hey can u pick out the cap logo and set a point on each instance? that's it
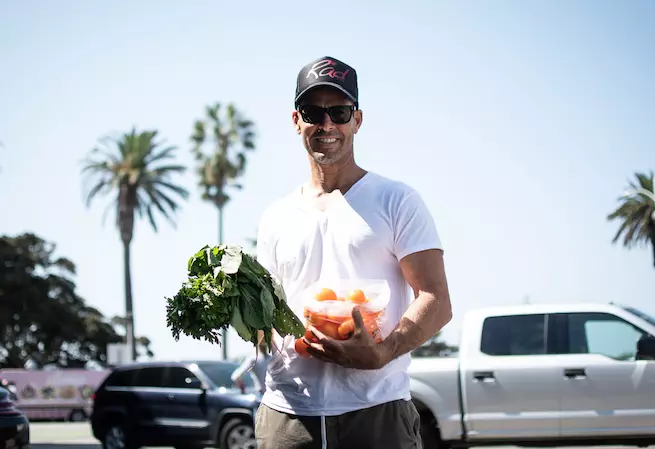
(326, 68)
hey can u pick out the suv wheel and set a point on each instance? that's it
(237, 433)
(114, 438)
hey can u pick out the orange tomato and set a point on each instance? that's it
(330, 329)
(346, 329)
(326, 294)
(301, 348)
(309, 336)
(357, 296)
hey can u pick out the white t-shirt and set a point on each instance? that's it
(360, 235)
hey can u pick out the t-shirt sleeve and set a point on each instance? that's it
(414, 227)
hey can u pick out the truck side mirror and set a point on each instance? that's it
(646, 348)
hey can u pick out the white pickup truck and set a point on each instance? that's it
(533, 375)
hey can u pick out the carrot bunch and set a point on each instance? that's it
(334, 317)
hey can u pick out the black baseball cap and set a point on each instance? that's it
(327, 71)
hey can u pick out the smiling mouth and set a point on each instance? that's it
(326, 140)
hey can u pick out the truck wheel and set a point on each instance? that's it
(237, 433)
(430, 434)
(77, 416)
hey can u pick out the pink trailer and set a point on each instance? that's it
(63, 394)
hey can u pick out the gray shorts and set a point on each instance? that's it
(393, 425)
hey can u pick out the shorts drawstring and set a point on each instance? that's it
(323, 433)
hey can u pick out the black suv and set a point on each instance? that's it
(187, 405)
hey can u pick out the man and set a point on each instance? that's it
(347, 223)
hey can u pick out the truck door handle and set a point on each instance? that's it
(575, 373)
(484, 376)
(171, 397)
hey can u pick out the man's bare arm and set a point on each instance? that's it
(429, 312)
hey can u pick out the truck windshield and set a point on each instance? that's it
(644, 316)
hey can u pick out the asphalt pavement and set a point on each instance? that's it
(78, 436)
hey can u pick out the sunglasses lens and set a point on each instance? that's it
(312, 114)
(340, 114)
(315, 114)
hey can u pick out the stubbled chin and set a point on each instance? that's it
(325, 157)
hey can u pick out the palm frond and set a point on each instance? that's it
(140, 163)
(231, 136)
(636, 213)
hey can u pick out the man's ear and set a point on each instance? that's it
(359, 117)
(295, 117)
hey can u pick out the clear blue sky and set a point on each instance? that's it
(519, 123)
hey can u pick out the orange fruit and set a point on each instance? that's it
(346, 329)
(357, 296)
(309, 336)
(301, 348)
(330, 329)
(326, 294)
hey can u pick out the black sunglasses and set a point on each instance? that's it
(315, 115)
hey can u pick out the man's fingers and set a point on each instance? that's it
(359, 321)
(320, 336)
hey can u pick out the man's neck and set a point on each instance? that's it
(328, 178)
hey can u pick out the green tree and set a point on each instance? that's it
(228, 135)
(42, 319)
(434, 347)
(136, 170)
(636, 213)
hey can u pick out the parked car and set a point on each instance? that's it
(14, 426)
(180, 404)
(542, 374)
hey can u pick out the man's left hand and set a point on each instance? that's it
(360, 351)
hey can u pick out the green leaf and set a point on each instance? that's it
(251, 308)
(268, 306)
(213, 256)
(198, 262)
(286, 322)
(240, 326)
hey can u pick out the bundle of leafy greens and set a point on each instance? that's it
(227, 287)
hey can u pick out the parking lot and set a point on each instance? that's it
(78, 436)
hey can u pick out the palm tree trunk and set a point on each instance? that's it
(220, 241)
(129, 327)
(126, 206)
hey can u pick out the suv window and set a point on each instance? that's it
(122, 378)
(149, 377)
(179, 377)
(602, 333)
(221, 374)
(514, 335)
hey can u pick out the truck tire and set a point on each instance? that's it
(237, 433)
(430, 433)
(77, 416)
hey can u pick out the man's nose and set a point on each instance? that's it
(327, 124)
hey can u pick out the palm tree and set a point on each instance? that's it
(137, 170)
(230, 137)
(637, 213)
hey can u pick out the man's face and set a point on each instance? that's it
(327, 142)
